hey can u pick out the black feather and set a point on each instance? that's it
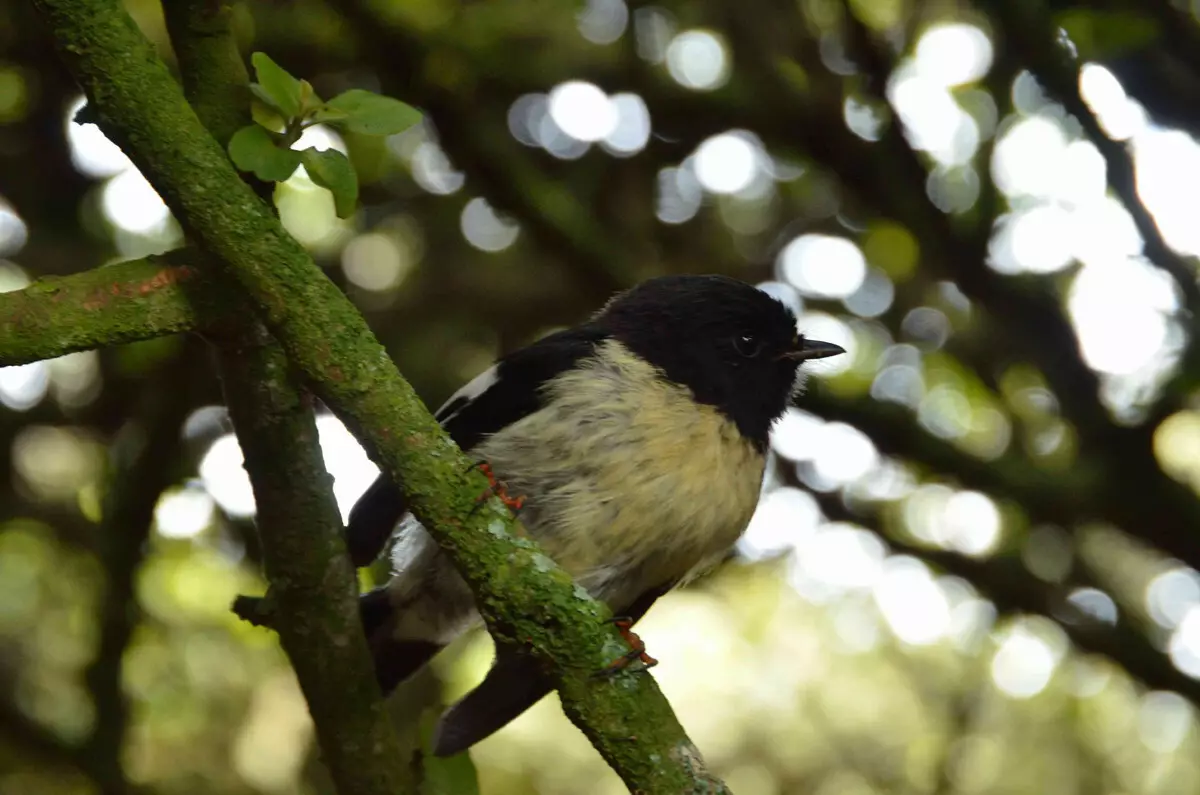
(395, 660)
(517, 392)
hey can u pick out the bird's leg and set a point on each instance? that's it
(497, 489)
(637, 650)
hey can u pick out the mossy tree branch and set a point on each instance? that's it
(522, 596)
(313, 589)
(128, 302)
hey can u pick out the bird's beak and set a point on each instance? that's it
(813, 349)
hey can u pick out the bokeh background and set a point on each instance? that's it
(974, 568)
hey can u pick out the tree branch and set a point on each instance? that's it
(127, 302)
(313, 588)
(313, 594)
(523, 598)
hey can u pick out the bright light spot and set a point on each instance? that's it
(679, 196)
(55, 463)
(431, 170)
(784, 518)
(602, 21)
(840, 557)
(823, 265)
(933, 121)
(485, 229)
(23, 386)
(632, 130)
(1103, 231)
(183, 513)
(653, 29)
(12, 277)
(873, 297)
(843, 453)
(13, 232)
(91, 151)
(1121, 117)
(1028, 157)
(797, 434)
(1086, 677)
(970, 621)
(1118, 309)
(554, 140)
(697, 59)
(376, 262)
(132, 204)
(726, 163)
(1095, 604)
(945, 412)
(1168, 181)
(75, 378)
(1023, 665)
(1172, 595)
(321, 138)
(583, 111)
(970, 523)
(225, 478)
(346, 461)
(307, 212)
(912, 603)
(1033, 240)
(954, 54)
(1184, 647)
(525, 116)
(1164, 719)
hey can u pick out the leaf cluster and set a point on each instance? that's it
(284, 106)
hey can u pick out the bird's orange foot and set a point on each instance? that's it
(497, 489)
(637, 649)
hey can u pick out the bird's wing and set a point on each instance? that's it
(498, 397)
(514, 684)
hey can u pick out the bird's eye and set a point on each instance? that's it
(748, 345)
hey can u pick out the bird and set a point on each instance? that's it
(636, 442)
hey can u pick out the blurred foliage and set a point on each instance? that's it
(974, 570)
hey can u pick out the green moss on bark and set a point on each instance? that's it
(127, 302)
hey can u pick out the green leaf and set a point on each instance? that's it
(324, 113)
(253, 149)
(451, 775)
(280, 88)
(373, 114)
(267, 116)
(330, 169)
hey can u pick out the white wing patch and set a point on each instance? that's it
(468, 393)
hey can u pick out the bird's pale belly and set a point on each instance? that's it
(638, 489)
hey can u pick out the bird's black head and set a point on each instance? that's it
(733, 345)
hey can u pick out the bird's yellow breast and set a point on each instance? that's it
(630, 484)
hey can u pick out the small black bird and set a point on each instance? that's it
(637, 442)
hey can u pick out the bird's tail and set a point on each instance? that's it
(395, 660)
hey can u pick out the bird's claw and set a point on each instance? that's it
(497, 489)
(637, 652)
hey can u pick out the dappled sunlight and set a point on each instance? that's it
(950, 585)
